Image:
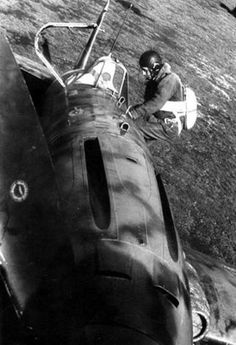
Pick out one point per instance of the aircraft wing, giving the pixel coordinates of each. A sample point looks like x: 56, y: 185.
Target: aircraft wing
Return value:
x: 218, y: 282
x: 23, y: 148
x: 27, y: 183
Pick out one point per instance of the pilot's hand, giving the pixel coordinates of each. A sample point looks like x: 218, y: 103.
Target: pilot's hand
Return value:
x: 132, y: 113
x: 135, y: 115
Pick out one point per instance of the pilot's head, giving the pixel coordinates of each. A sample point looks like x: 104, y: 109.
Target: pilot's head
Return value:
x: 150, y: 63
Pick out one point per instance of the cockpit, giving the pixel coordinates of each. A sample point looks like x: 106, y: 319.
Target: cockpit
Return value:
x: 106, y: 73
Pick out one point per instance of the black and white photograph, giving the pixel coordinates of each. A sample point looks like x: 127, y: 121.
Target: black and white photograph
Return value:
x: 117, y: 172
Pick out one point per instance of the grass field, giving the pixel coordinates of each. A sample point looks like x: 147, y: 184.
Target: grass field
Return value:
x: 198, y: 39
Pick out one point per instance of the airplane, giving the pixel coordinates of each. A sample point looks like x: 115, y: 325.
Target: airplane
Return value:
x: 89, y: 253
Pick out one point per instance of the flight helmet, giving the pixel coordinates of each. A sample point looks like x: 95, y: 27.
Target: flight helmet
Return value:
x: 150, y: 59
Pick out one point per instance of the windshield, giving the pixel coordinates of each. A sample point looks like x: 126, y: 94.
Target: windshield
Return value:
x: 108, y: 74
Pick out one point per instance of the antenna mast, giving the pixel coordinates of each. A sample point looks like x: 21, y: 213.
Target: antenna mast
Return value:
x: 121, y: 27
x: 83, y: 59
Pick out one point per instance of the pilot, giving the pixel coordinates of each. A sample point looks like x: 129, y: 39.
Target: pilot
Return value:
x: 162, y: 85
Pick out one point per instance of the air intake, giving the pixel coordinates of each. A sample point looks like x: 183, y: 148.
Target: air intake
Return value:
x: 97, y: 184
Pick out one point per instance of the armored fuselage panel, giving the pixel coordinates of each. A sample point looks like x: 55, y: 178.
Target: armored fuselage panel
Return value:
x: 88, y: 243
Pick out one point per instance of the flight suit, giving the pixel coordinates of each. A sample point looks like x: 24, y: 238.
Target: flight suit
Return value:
x: 165, y: 86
